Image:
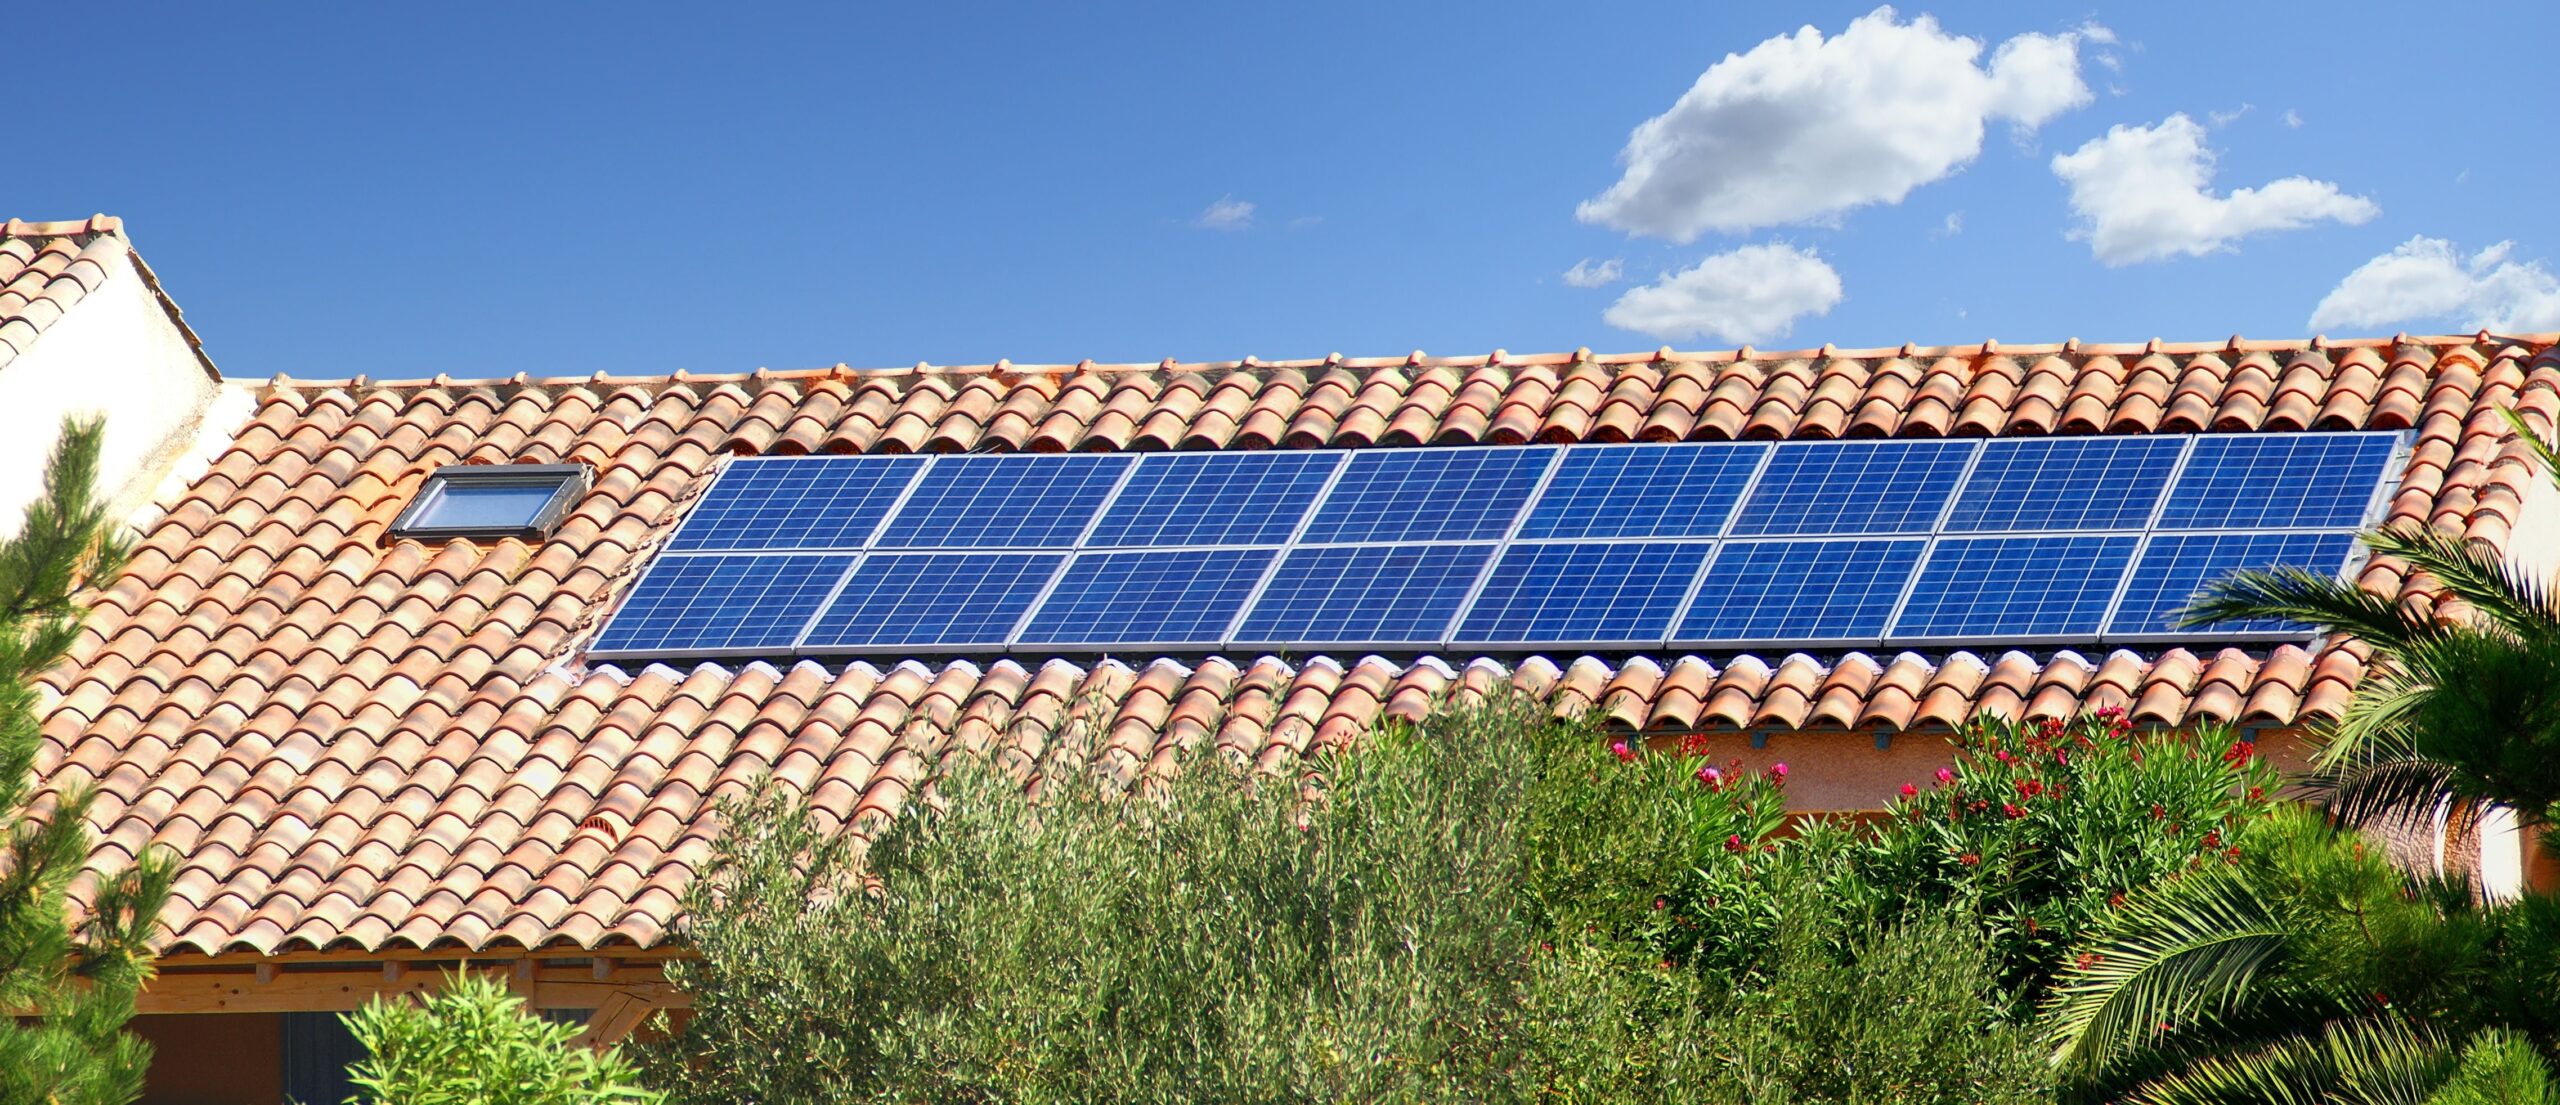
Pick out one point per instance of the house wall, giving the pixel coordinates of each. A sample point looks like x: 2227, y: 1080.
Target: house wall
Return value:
x: 213, y: 1058
x: 115, y: 352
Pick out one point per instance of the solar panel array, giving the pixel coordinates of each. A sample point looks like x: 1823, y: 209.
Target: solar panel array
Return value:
x: 1711, y: 545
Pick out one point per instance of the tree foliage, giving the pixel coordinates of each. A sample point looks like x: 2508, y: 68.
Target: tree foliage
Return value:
x: 71, y: 982
x: 474, y: 1043
x: 1494, y: 905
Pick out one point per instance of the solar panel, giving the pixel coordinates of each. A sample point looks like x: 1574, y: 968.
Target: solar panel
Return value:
x: 933, y: 600
x: 1015, y: 501
x: 2273, y: 481
x: 1640, y: 491
x: 2077, y: 483
x: 722, y: 602
x: 1130, y: 598
x: 796, y: 503
x: 1428, y: 495
x: 1708, y: 544
x: 1584, y: 592
x: 1801, y: 591
x: 2175, y: 566
x: 1365, y: 594
x: 1992, y: 587
x: 1215, y: 499
x: 1846, y: 487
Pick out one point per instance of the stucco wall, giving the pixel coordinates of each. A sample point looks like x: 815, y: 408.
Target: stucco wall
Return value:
x: 117, y: 353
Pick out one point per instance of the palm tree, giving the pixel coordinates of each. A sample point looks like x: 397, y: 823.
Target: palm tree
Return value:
x: 2313, y: 971
x: 2462, y: 702
x: 2310, y: 970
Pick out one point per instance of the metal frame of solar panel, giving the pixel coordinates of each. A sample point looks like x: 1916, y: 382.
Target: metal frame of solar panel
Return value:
x: 1711, y: 546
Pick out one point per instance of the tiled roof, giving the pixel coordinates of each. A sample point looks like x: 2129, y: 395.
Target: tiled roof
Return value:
x: 45, y: 268
x: 360, y: 744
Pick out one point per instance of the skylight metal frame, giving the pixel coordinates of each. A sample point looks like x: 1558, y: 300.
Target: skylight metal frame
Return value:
x: 1233, y: 639
x: 568, y: 482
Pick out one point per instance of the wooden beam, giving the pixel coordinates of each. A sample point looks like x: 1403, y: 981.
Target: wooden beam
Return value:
x: 614, y: 1020
x: 338, y: 991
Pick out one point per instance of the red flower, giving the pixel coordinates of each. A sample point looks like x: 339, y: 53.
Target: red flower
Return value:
x: 2003, y: 756
x: 2213, y: 839
x: 1624, y: 753
x: 2029, y: 788
x: 1945, y: 776
x: 1660, y: 905
x: 1695, y: 744
x: 2011, y: 812
x: 2157, y: 813
x: 2088, y: 960
x: 1734, y: 843
x: 2257, y: 794
x: 2239, y: 752
x: 1969, y: 859
x: 1909, y: 791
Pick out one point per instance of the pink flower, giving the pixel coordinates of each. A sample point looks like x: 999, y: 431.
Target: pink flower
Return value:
x: 1734, y: 843
x: 1622, y: 752
x: 1909, y: 791
x: 1945, y: 776
x: 1778, y: 773
x: 1712, y: 777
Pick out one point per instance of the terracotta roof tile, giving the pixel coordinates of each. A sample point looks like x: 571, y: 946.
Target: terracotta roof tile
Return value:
x: 359, y: 743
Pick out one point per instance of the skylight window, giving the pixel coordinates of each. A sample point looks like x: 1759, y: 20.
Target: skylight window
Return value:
x: 493, y: 500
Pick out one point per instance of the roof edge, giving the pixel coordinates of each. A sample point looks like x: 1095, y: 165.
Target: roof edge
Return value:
x: 105, y: 225
x: 2534, y: 344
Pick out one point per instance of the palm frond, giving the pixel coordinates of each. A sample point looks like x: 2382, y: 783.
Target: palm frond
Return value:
x: 2399, y: 790
x: 2369, y: 1061
x: 2377, y: 722
x: 2544, y: 449
x: 2196, y: 948
x: 2296, y: 595
x: 2514, y: 597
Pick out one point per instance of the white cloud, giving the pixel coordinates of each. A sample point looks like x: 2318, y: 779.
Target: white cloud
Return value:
x: 2140, y: 194
x: 1584, y: 274
x: 2426, y: 280
x: 1755, y: 293
x: 2226, y: 118
x: 1953, y: 226
x: 2293, y: 118
x: 1229, y: 213
x: 1306, y: 222
x: 1802, y: 128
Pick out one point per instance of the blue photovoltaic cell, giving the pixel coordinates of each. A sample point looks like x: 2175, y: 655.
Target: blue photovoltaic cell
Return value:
x: 796, y: 503
x: 1014, y: 501
x: 1987, y: 587
x: 2268, y: 481
x: 2174, y: 567
x: 1844, y: 487
x: 1127, y: 598
x: 1639, y: 491
x: 933, y: 599
x: 1801, y: 590
x: 722, y: 601
x: 1367, y: 594
x: 1428, y: 495
x: 1215, y: 499
x: 1578, y: 592
x: 2072, y: 483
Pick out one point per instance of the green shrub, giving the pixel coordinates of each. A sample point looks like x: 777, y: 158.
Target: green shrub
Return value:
x: 474, y: 1043
x: 1494, y: 905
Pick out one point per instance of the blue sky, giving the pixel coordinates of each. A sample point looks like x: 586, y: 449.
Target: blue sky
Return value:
x: 485, y: 189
